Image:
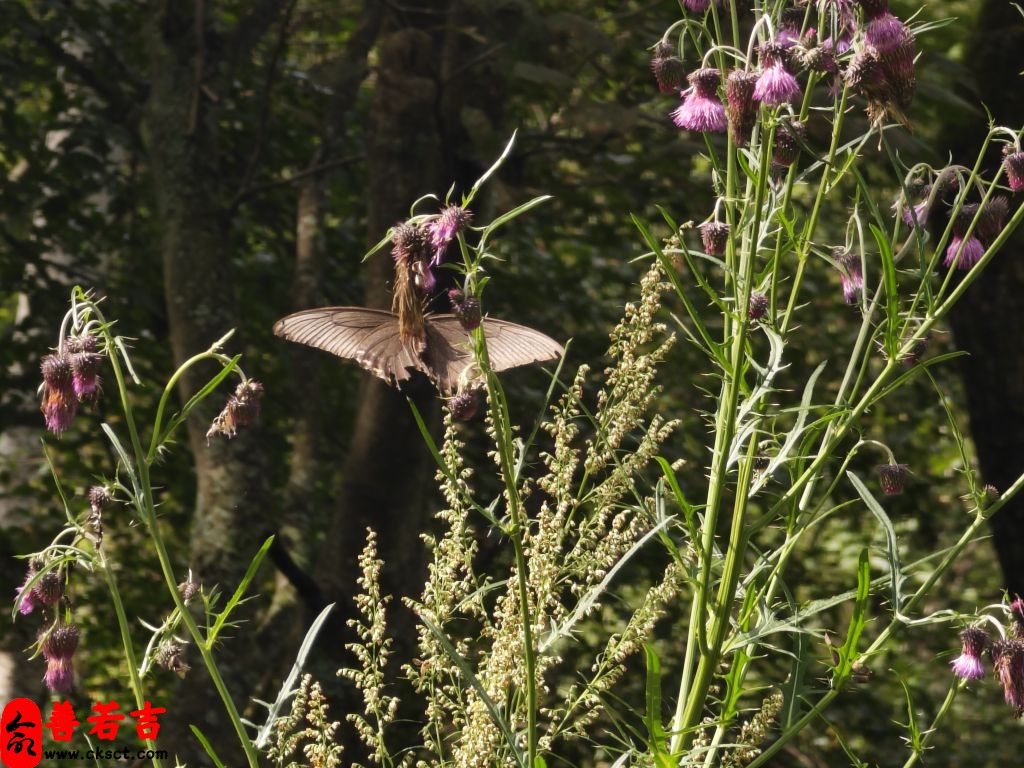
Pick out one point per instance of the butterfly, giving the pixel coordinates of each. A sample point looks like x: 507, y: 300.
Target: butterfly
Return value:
x: 439, y: 348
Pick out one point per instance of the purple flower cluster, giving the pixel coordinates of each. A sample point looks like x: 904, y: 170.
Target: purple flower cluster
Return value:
x: 701, y: 110
x: 883, y: 68
x: 70, y: 377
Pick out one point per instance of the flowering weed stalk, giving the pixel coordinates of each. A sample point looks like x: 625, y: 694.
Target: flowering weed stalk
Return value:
x: 130, y: 484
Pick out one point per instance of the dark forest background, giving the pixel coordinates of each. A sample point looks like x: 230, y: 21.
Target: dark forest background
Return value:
x: 210, y: 164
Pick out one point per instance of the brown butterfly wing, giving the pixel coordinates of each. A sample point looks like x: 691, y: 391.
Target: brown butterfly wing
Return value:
x: 368, y: 336
x: 509, y: 345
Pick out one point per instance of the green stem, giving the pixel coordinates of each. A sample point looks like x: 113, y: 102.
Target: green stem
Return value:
x: 947, y: 704
x: 126, y: 638
x: 147, y: 510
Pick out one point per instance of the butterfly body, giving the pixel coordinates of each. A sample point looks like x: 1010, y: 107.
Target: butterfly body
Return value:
x: 374, y: 339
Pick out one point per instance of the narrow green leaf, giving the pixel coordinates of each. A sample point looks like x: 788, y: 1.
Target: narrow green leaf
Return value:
x: 288, y: 686
x: 506, y: 217
x: 176, y: 420
x: 848, y: 653
x: 206, y: 746
x: 892, y: 551
x: 892, y: 298
x: 657, y: 739
x: 236, y: 598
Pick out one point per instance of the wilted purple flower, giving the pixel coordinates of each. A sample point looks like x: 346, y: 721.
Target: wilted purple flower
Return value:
x: 775, y: 85
x: 241, y: 410
x: 171, y: 655
x: 84, y: 367
x: 714, y: 235
x: 667, y: 67
x: 892, y: 478
x: 466, y: 309
x: 59, y: 399
x: 964, y: 252
x: 850, y: 274
x: 1008, y: 663
x: 701, y: 110
x: 464, y: 405
x: 189, y: 589
x: 1013, y: 164
x: 819, y: 58
x: 740, y: 105
x: 968, y: 664
x: 99, y: 497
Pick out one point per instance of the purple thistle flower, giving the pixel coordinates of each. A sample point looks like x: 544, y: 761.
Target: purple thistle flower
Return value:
x: 450, y: 222
x: 964, y: 252
x: 992, y: 218
x: 697, y: 6
x: 968, y: 664
x: 775, y: 85
x: 916, y: 215
x: 60, y: 676
x: 850, y: 274
x: 740, y: 105
x: 28, y: 599
x: 1008, y: 663
x: 1017, y: 618
x: 714, y: 235
x: 59, y: 399
x: 85, y: 366
x: 1013, y: 164
x: 885, y: 33
x: 892, y: 478
x: 971, y: 254
x: 701, y: 110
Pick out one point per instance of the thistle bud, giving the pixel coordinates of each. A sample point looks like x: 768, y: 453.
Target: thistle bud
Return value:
x: 171, y: 655
x: 892, y: 478
x: 188, y: 589
x: 788, y: 137
x: 1013, y: 164
x: 466, y: 309
x: 668, y: 68
x: 83, y: 343
x: 463, y: 406
x: 409, y: 242
x: 992, y: 218
x: 60, y: 642
x: 758, y: 305
x: 50, y: 588
x: 715, y: 236
x: 740, y: 105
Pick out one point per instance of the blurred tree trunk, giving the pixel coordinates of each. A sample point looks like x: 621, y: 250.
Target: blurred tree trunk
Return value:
x: 231, y: 507
x: 988, y: 320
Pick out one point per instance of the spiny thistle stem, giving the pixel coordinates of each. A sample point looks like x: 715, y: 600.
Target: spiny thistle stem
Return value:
x: 147, y: 510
